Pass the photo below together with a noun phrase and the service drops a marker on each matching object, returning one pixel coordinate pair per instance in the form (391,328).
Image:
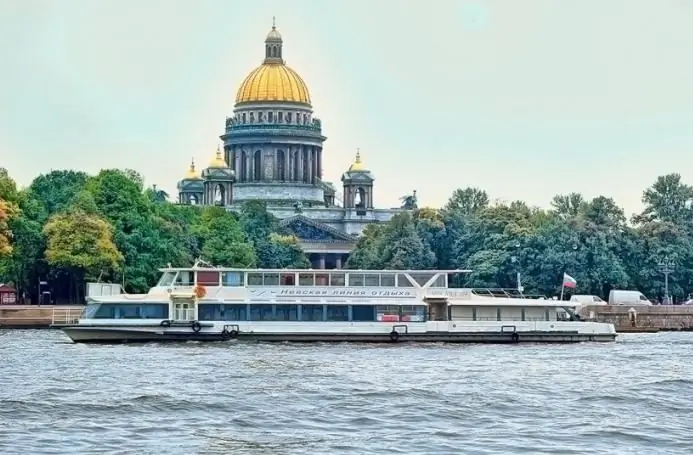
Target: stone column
(338,262)
(320,163)
(321,261)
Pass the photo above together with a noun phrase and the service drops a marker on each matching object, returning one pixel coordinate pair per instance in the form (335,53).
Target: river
(634,396)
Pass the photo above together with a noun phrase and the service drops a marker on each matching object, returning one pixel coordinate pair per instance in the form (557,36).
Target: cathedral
(273,151)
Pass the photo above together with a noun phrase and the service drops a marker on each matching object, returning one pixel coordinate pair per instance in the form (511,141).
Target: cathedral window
(280,117)
(244,118)
(288,117)
(252,117)
(270,117)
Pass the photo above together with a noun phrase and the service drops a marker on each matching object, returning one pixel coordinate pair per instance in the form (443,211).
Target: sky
(525,99)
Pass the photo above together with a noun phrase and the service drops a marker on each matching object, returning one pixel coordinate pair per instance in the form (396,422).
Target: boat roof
(234,269)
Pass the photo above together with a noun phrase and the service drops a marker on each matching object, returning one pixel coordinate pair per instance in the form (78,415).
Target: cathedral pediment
(308,230)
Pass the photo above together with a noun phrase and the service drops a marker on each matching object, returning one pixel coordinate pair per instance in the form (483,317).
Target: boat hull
(85,334)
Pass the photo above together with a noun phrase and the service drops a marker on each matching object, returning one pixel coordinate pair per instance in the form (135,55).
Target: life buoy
(196,326)
(515,337)
(225,334)
(165,323)
(233,334)
(394,335)
(200,291)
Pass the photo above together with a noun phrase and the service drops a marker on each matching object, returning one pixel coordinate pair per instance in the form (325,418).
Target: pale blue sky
(525,99)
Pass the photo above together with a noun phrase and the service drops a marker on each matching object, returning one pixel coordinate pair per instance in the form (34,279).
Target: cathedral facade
(273,151)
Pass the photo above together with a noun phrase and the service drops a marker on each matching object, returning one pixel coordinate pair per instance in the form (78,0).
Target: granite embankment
(636,318)
(37,317)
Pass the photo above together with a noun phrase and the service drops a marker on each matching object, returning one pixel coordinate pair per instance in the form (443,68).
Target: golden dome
(357,165)
(218,161)
(192,174)
(273,82)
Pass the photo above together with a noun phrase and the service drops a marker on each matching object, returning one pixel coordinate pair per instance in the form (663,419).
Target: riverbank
(37,317)
(642,318)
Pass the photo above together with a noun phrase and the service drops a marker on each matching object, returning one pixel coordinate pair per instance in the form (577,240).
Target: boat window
(287,279)
(208,278)
(222,312)
(322,279)
(387,279)
(306,279)
(421,277)
(413,313)
(356,279)
(403,281)
(440,282)
(337,312)
(262,312)
(311,313)
(270,279)
(254,279)
(363,313)
(184,278)
(286,312)
(131,311)
(232,279)
(337,279)
(371,280)
(90,310)
(387,313)
(167,279)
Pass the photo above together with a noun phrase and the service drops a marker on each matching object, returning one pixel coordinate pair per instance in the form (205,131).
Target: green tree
(82,245)
(223,241)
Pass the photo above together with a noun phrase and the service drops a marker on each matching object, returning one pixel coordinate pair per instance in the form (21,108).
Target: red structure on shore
(8,295)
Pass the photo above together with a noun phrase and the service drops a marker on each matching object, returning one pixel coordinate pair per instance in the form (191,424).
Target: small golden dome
(218,161)
(192,173)
(273,82)
(357,165)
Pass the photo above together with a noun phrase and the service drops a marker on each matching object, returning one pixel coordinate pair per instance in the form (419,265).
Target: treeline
(67,228)
(591,240)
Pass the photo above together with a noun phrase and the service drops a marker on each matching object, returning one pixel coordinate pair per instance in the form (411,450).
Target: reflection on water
(628,397)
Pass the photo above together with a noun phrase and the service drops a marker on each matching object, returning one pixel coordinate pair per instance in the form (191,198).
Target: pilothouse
(207,303)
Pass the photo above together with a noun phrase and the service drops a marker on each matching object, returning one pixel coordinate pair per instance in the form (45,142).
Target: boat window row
(125,311)
(333,279)
(311,312)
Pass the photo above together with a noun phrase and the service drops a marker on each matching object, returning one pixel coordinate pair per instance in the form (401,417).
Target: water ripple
(628,397)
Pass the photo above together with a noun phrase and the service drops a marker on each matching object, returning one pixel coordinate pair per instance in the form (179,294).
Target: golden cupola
(273,81)
(218,161)
(357,165)
(192,173)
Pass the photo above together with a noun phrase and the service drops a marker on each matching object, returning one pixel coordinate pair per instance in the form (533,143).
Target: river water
(634,396)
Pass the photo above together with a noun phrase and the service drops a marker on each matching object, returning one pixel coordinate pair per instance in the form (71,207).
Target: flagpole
(562,289)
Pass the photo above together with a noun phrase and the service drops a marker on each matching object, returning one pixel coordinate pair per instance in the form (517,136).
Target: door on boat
(437,309)
(183,310)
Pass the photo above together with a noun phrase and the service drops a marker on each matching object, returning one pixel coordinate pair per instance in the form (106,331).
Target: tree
(7,210)
(81,244)
(223,241)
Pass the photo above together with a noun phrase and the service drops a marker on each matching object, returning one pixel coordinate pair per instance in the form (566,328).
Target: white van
(584,299)
(619,297)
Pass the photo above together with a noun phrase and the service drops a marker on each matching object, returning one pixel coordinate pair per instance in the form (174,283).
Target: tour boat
(207,303)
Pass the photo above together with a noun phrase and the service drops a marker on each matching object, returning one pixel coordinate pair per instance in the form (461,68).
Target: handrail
(65,315)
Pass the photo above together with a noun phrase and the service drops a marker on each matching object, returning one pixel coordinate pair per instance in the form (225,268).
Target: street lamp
(515,259)
(666,266)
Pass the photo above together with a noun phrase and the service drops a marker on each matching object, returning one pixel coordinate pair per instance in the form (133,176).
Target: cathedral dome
(273,80)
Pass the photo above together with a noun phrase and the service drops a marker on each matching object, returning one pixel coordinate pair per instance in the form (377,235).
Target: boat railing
(506,293)
(68,315)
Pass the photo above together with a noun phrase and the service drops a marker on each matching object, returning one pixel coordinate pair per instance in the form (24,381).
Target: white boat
(206,303)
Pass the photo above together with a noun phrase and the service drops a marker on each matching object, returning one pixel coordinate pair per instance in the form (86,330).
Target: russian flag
(569,281)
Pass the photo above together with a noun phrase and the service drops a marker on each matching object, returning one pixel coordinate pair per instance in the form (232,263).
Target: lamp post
(666,266)
(515,259)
